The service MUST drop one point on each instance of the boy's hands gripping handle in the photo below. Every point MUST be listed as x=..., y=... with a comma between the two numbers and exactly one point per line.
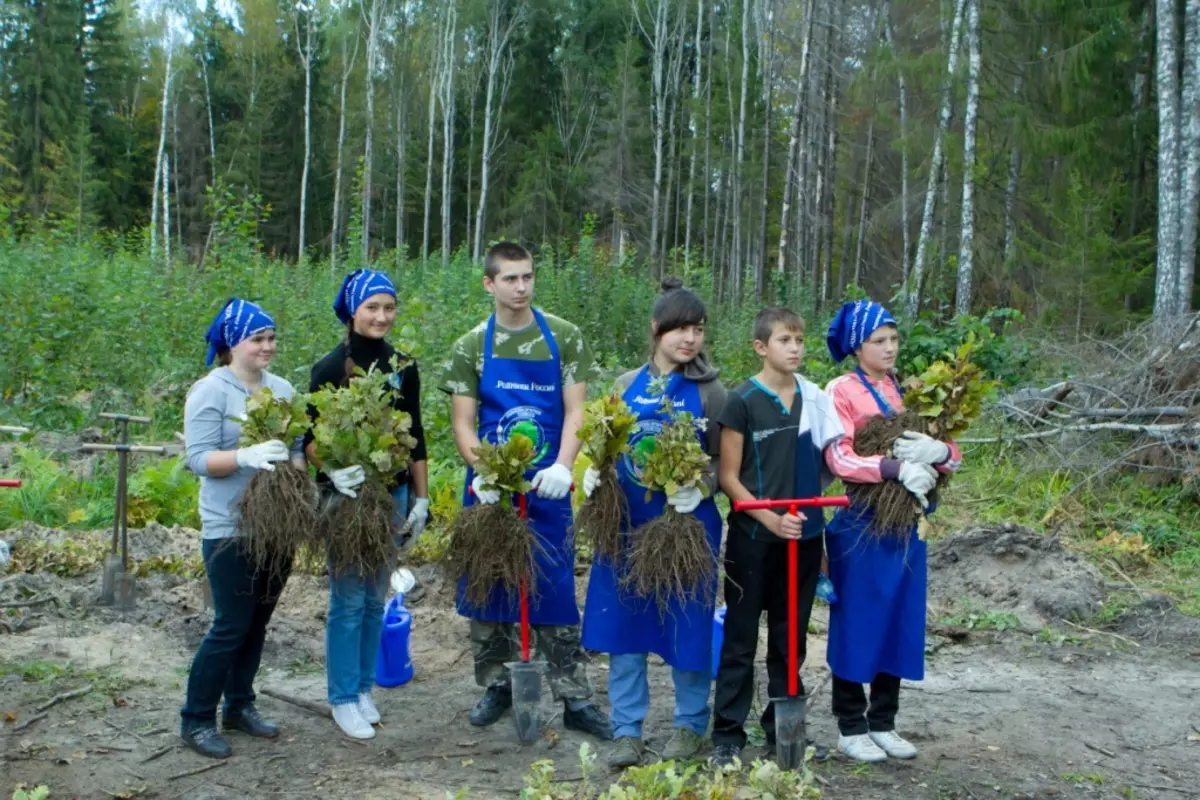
x=793, y=507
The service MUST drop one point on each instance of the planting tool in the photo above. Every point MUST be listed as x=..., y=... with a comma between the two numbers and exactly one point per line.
x=117, y=585
x=526, y=675
x=789, y=711
x=10, y=484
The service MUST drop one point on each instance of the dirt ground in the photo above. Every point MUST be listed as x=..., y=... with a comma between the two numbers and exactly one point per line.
x=1058, y=711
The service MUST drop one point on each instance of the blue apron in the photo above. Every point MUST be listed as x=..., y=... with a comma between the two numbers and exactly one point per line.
x=525, y=397
x=617, y=622
x=878, y=623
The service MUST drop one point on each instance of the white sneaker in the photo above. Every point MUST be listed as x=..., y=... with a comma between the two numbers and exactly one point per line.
x=861, y=748
x=893, y=744
x=367, y=706
x=351, y=721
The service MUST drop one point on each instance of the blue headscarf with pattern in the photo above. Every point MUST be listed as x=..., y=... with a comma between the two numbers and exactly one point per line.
x=236, y=322
x=853, y=325
x=358, y=286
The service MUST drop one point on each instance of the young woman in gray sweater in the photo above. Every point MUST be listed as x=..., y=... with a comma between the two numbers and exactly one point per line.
x=242, y=341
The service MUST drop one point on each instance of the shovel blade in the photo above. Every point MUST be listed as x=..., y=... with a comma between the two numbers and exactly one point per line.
x=125, y=591
x=114, y=567
x=527, y=699
x=790, y=732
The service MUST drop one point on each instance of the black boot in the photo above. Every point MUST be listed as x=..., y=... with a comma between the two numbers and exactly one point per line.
x=588, y=719
x=248, y=720
x=495, y=701
x=206, y=741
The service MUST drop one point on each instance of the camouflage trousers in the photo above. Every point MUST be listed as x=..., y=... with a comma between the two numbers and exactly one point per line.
x=494, y=643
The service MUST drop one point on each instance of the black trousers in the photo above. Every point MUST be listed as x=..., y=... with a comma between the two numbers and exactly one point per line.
x=853, y=713
x=225, y=664
x=756, y=580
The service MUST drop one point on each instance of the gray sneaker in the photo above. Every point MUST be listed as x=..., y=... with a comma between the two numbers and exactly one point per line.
x=683, y=745
x=626, y=752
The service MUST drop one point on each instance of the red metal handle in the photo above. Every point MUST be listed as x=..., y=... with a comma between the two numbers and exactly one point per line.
x=803, y=502
x=10, y=484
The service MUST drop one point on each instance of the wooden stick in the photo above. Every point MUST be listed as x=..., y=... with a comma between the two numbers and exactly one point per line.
x=1099, y=750
x=126, y=448
x=41, y=601
x=1103, y=633
x=23, y=725
x=105, y=748
x=59, y=698
x=1159, y=431
x=157, y=754
x=1160, y=787
x=299, y=702
x=197, y=770
x=17, y=429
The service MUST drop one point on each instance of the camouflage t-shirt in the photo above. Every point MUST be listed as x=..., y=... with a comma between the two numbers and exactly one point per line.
x=463, y=371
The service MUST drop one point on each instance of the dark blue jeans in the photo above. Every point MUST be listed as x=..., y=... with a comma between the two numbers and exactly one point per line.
x=243, y=600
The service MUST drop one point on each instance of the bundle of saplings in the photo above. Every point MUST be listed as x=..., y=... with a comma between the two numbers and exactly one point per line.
x=941, y=402
x=491, y=544
x=604, y=435
x=669, y=556
x=278, y=507
x=358, y=424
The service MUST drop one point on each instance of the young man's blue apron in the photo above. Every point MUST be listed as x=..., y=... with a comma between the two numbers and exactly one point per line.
x=878, y=623
x=526, y=397
x=617, y=622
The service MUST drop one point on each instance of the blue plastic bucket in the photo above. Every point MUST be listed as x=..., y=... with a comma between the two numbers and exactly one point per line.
x=718, y=638
x=393, y=665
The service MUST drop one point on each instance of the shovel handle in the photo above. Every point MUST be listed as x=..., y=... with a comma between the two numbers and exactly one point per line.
x=793, y=601
x=523, y=512
x=10, y=484
x=804, y=502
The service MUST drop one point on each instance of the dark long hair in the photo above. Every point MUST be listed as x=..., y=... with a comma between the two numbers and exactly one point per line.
x=675, y=308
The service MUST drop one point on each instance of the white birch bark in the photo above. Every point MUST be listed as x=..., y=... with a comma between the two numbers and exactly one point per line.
x=658, y=13
x=499, y=77
x=794, y=138
x=212, y=130
x=435, y=77
x=160, y=180
x=741, y=151
x=905, y=219
x=962, y=302
x=694, y=130
x=447, y=102
x=912, y=288
x=1010, y=188
x=401, y=142
x=348, y=60
x=374, y=20
x=862, y=208
x=306, y=55
x=1189, y=125
x=1166, y=284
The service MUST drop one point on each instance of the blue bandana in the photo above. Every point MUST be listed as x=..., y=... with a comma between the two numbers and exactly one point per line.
x=853, y=325
x=358, y=286
x=234, y=324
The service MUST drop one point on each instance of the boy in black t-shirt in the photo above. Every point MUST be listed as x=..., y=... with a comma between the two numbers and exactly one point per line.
x=774, y=428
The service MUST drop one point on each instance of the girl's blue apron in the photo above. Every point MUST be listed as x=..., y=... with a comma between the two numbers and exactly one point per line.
x=617, y=622
x=878, y=623
x=525, y=397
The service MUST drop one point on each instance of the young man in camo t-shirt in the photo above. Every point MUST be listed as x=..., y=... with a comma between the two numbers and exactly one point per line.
x=524, y=371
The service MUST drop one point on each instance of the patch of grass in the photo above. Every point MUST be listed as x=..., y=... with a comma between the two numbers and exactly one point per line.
x=974, y=619
x=31, y=671
x=1078, y=778
x=303, y=664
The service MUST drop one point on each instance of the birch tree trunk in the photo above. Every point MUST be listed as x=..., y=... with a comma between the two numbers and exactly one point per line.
x=435, y=77
x=658, y=12
x=1189, y=126
x=912, y=288
x=862, y=209
x=348, y=60
x=212, y=131
x=694, y=130
x=448, y=65
x=306, y=60
x=794, y=137
x=767, y=65
x=705, y=250
x=1166, y=284
x=401, y=142
x=1010, y=188
x=741, y=151
x=374, y=19
x=499, y=76
x=962, y=295
x=905, y=218
x=159, y=164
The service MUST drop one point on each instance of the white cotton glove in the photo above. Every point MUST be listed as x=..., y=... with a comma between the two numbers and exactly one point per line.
x=591, y=479
x=685, y=500
x=918, y=447
x=260, y=456
x=487, y=497
x=418, y=518
x=553, y=482
x=919, y=479
x=348, y=479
